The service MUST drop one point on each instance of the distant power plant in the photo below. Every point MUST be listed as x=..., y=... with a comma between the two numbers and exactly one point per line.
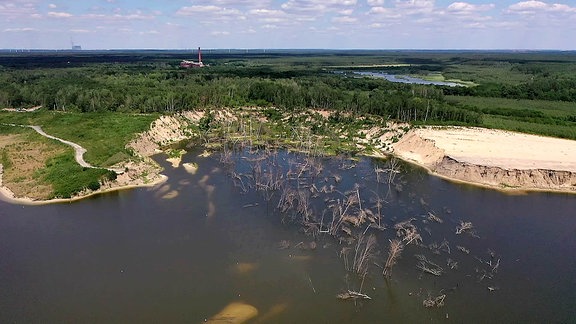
x=191, y=64
x=75, y=47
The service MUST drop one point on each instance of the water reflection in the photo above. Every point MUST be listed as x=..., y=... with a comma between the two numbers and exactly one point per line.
x=407, y=79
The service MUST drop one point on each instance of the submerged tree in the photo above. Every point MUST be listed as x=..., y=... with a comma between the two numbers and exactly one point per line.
x=394, y=252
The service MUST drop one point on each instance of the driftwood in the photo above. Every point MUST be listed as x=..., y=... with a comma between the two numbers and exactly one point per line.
x=350, y=294
x=434, y=301
x=434, y=218
x=464, y=226
x=463, y=249
x=408, y=232
x=452, y=264
x=428, y=266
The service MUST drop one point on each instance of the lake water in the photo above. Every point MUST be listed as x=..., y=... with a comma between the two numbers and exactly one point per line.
x=182, y=251
x=407, y=79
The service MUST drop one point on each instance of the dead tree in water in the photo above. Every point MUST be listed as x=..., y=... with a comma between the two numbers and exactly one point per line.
x=364, y=251
x=393, y=169
x=464, y=226
x=350, y=294
x=408, y=232
x=434, y=301
x=428, y=266
x=394, y=252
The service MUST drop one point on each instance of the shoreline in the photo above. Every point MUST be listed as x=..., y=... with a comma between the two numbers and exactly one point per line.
x=501, y=189
x=6, y=194
x=465, y=155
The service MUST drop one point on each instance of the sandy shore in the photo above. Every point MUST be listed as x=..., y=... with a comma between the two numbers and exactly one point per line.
x=8, y=196
x=494, y=158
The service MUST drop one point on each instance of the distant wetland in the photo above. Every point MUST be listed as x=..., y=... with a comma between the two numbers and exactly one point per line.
x=407, y=79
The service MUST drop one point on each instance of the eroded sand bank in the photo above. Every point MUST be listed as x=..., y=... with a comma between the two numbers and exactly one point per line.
x=495, y=158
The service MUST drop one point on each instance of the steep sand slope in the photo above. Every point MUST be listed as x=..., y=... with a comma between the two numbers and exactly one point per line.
x=494, y=158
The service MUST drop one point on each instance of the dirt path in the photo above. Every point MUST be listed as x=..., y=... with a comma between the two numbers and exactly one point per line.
x=78, y=150
x=23, y=110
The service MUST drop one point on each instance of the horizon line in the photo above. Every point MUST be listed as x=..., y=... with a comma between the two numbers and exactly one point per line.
x=293, y=49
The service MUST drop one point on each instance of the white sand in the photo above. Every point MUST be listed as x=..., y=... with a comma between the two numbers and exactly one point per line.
x=504, y=149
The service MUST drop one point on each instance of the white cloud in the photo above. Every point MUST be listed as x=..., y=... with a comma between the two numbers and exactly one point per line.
x=416, y=6
x=374, y=3
x=149, y=32
x=235, y=3
x=193, y=10
x=19, y=30
x=220, y=33
x=528, y=6
x=287, y=23
x=15, y=10
x=534, y=7
x=211, y=14
x=465, y=7
x=56, y=14
x=317, y=6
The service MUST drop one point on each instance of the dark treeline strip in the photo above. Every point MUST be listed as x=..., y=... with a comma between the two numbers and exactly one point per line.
x=146, y=89
x=540, y=88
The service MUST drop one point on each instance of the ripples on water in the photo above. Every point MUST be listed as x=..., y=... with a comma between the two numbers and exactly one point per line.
x=183, y=251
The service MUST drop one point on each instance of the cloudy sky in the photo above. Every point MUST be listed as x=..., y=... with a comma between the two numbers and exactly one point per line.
x=338, y=24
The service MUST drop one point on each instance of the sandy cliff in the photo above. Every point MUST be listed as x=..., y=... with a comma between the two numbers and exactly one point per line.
x=493, y=158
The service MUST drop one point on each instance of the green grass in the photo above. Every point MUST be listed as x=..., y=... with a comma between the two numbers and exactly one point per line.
x=439, y=77
x=493, y=72
x=5, y=159
x=68, y=178
x=549, y=118
x=561, y=131
x=549, y=108
x=104, y=135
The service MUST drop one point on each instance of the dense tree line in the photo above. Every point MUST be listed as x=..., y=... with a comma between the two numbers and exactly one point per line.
x=542, y=88
x=121, y=89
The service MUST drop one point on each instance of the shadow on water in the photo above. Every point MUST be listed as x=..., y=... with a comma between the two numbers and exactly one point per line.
x=184, y=250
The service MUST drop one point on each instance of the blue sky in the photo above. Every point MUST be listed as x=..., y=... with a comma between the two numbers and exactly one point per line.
x=334, y=24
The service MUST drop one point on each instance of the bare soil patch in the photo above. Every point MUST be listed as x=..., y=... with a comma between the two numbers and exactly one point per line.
x=25, y=158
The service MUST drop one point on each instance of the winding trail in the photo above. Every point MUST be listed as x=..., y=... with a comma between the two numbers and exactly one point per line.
x=78, y=150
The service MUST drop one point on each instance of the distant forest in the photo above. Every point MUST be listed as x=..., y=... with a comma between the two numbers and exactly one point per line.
x=156, y=84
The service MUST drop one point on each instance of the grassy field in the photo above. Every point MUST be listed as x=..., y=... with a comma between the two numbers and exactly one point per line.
x=550, y=118
x=104, y=135
x=439, y=77
x=561, y=131
x=550, y=108
x=41, y=168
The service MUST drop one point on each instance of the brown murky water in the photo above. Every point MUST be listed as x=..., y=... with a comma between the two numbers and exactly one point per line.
x=185, y=250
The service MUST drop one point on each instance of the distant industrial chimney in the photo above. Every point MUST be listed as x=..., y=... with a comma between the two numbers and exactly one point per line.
x=191, y=64
x=74, y=46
